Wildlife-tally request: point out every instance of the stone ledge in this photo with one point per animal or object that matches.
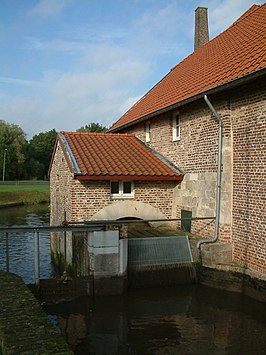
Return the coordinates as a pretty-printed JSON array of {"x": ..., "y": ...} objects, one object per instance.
[
  {"x": 24, "y": 326},
  {"x": 235, "y": 279}
]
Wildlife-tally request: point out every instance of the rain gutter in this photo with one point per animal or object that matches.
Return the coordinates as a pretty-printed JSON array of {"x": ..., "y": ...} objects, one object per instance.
[{"x": 218, "y": 181}]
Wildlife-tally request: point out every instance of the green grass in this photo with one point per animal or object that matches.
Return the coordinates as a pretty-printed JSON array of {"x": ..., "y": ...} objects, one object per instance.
[{"x": 27, "y": 194}]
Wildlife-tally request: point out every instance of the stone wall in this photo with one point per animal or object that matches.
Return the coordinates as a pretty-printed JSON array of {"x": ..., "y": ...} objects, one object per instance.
[
  {"x": 196, "y": 154},
  {"x": 243, "y": 189},
  {"x": 24, "y": 327}
]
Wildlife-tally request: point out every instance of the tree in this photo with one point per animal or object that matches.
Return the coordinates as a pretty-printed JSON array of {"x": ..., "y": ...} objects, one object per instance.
[
  {"x": 12, "y": 150},
  {"x": 92, "y": 127},
  {"x": 39, "y": 153}
]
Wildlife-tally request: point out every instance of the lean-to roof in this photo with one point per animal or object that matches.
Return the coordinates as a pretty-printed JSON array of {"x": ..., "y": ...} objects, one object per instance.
[{"x": 101, "y": 156}]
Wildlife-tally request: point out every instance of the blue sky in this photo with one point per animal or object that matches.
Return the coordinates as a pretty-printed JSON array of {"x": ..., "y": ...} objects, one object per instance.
[{"x": 66, "y": 63}]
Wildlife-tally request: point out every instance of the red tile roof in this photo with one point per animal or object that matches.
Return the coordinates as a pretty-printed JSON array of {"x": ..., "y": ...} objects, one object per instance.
[
  {"x": 235, "y": 53},
  {"x": 100, "y": 156}
]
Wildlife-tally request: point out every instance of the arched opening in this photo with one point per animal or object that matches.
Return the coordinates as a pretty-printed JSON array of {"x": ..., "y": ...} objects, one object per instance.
[
  {"x": 129, "y": 219},
  {"x": 122, "y": 210}
]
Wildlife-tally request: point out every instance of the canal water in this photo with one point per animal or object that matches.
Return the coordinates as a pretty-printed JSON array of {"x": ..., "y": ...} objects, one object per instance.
[
  {"x": 188, "y": 319},
  {"x": 21, "y": 246},
  {"x": 172, "y": 320}
]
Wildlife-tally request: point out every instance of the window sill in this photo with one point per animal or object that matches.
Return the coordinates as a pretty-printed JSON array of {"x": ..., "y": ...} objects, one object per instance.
[
  {"x": 177, "y": 139},
  {"x": 124, "y": 197}
]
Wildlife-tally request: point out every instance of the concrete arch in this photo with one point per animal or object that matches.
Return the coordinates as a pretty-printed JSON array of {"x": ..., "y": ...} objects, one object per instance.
[{"x": 127, "y": 208}]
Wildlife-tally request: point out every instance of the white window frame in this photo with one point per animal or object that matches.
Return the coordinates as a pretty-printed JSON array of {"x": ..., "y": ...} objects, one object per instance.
[
  {"x": 176, "y": 127},
  {"x": 121, "y": 194},
  {"x": 148, "y": 132}
]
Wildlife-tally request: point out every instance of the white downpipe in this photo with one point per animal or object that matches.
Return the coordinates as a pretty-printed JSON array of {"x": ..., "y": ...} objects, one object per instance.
[{"x": 218, "y": 181}]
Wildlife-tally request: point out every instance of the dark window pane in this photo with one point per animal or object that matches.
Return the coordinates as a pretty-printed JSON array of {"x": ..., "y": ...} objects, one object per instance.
[
  {"x": 127, "y": 187},
  {"x": 186, "y": 223},
  {"x": 177, "y": 121},
  {"x": 114, "y": 187}
]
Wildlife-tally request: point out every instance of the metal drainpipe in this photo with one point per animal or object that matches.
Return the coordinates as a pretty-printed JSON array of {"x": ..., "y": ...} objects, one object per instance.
[{"x": 218, "y": 182}]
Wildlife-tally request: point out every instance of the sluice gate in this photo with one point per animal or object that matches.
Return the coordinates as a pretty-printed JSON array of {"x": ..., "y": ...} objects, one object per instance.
[
  {"x": 160, "y": 261},
  {"x": 96, "y": 259}
]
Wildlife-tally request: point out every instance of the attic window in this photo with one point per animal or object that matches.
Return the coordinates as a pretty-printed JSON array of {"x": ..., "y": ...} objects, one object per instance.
[
  {"x": 176, "y": 127},
  {"x": 148, "y": 132},
  {"x": 122, "y": 189}
]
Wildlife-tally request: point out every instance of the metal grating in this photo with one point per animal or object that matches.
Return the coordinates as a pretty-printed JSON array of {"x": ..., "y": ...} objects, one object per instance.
[{"x": 159, "y": 250}]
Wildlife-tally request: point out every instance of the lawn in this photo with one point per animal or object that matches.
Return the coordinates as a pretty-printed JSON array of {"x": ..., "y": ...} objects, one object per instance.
[{"x": 27, "y": 194}]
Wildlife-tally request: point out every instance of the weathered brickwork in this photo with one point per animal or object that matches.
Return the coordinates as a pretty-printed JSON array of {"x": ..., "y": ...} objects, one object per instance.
[
  {"x": 243, "y": 194},
  {"x": 249, "y": 192},
  {"x": 88, "y": 198},
  {"x": 81, "y": 200},
  {"x": 243, "y": 189},
  {"x": 61, "y": 181}
]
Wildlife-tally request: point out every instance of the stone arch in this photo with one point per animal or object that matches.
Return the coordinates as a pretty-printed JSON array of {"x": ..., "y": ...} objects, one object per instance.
[{"x": 129, "y": 208}]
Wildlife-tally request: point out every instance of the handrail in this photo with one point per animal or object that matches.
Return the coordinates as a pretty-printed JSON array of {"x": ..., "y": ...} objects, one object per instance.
[{"x": 84, "y": 226}]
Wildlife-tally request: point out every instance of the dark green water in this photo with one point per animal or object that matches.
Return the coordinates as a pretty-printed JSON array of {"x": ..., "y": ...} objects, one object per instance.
[{"x": 173, "y": 320}]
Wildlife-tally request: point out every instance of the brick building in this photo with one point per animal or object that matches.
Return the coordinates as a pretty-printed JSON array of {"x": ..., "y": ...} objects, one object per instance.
[
  {"x": 109, "y": 176},
  {"x": 181, "y": 132}
]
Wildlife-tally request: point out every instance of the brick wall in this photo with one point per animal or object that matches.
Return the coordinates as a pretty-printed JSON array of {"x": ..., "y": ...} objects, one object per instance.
[
  {"x": 243, "y": 195},
  {"x": 249, "y": 196},
  {"x": 60, "y": 188},
  {"x": 243, "y": 173},
  {"x": 81, "y": 200},
  {"x": 196, "y": 154}
]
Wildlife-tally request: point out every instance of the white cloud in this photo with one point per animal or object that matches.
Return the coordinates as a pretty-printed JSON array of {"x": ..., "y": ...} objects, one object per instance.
[
  {"x": 222, "y": 13},
  {"x": 103, "y": 70},
  {"x": 97, "y": 90},
  {"x": 128, "y": 103},
  {"x": 48, "y": 8}
]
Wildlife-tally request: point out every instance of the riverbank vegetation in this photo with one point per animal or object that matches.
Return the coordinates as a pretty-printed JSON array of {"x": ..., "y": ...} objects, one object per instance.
[{"x": 24, "y": 194}]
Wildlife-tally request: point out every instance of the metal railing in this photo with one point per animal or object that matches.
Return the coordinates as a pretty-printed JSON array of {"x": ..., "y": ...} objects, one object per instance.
[
  {"x": 35, "y": 231},
  {"x": 84, "y": 226}
]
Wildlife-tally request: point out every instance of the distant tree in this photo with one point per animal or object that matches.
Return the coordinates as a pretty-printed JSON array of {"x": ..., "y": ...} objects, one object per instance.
[
  {"x": 92, "y": 127},
  {"x": 39, "y": 153},
  {"x": 12, "y": 150}
]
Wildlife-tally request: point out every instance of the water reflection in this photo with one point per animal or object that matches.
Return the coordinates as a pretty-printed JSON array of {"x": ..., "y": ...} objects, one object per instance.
[
  {"x": 176, "y": 320},
  {"x": 21, "y": 246}
]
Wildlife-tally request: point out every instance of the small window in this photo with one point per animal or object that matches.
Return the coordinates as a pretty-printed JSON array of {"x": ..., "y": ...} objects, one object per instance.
[
  {"x": 148, "y": 132},
  {"x": 176, "y": 127},
  {"x": 114, "y": 187},
  {"x": 127, "y": 187},
  {"x": 122, "y": 189}
]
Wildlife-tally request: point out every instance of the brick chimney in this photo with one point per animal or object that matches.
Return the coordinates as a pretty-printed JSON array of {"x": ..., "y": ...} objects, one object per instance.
[{"x": 201, "y": 27}]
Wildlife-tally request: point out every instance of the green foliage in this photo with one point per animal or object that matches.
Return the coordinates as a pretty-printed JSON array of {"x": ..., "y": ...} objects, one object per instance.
[
  {"x": 12, "y": 147},
  {"x": 26, "y": 194},
  {"x": 92, "y": 127},
  {"x": 39, "y": 153}
]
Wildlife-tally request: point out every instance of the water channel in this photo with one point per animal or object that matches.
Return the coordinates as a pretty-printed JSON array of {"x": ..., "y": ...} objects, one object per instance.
[
  {"x": 21, "y": 246},
  {"x": 189, "y": 319}
]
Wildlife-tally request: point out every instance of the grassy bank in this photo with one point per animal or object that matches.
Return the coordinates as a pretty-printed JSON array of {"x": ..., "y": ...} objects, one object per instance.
[{"x": 26, "y": 194}]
